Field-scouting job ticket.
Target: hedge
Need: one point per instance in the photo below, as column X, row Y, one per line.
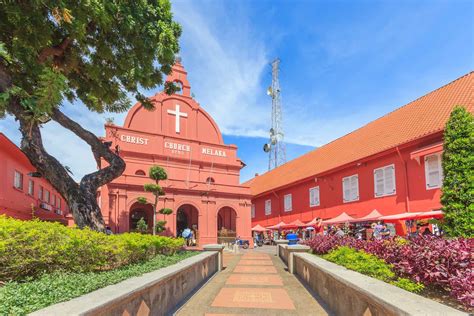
column 31, row 248
column 436, row 261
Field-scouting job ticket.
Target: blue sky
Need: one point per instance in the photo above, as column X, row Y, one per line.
column 343, row 64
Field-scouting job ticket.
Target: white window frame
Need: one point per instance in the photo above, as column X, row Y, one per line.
column 268, row 207
column 288, row 202
column 440, row 170
column 40, row 193
column 352, row 192
column 252, row 210
column 31, row 187
column 18, row 180
column 46, row 196
column 385, row 169
column 58, row 202
column 316, row 201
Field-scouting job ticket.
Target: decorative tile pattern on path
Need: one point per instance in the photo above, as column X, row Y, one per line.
column 245, row 262
column 255, row 269
column 253, row 298
column 254, row 279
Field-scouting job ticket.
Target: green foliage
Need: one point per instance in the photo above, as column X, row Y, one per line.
column 111, row 48
column 142, row 200
column 142, row 226
column 370, row 265
column 156, row 189
column 362, row 262
column 21, row 298
column 30, row 248
column 157, row 173
column 160, row 226
column 458, row 169
column 408, row 285
column 166, row 211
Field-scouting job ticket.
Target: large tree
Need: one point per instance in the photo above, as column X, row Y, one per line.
column 96, row 52
column 458, row 169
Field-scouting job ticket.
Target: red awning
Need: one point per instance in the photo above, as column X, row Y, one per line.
column 258, row 228
column 295, row 224
column 372, row 216
column 277, row 226
column 342, row 218
column 431, row 149
column 413, row 215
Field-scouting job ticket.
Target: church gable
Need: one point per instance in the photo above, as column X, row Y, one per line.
column 176, row 115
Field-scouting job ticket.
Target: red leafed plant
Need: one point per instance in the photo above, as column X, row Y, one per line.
column 446, row 263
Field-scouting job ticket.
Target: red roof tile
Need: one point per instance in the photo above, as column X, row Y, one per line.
column 422, row 117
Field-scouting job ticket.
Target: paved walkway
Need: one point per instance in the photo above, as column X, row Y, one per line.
column 254, row 282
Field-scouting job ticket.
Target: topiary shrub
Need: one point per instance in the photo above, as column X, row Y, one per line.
column 458, row 169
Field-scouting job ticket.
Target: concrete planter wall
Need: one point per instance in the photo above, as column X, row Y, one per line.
column 347, row 292
column 155, row 293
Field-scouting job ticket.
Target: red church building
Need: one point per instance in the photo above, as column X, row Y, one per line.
column 392, row 165
column 24, row 194
column 203, row 187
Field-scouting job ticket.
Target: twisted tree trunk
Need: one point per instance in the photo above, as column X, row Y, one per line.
column 81, row 197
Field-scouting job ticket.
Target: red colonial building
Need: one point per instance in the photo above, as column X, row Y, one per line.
column 392, row 164
column 203, row 187
column 23, row 193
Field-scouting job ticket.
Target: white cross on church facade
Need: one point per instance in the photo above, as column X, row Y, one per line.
column 178, row 114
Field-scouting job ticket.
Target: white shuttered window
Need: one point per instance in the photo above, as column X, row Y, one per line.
column 433, row 171
column 350, row 188
column 268, row 207
column 384, row 181
column 288, row 203
column 314, row 196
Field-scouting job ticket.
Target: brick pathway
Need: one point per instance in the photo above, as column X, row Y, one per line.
column 253, row 283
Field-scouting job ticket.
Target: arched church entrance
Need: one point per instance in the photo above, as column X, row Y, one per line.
column 187, row 216
column 226, row 225
column 137, row 212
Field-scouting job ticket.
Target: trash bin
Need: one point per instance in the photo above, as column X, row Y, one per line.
column 292, row 239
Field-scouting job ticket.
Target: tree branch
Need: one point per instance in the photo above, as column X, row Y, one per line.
column 116, row 164
column 55, row 51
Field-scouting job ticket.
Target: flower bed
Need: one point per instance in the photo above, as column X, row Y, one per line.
column 31, row 248
column 368, row 264
column 434, row 261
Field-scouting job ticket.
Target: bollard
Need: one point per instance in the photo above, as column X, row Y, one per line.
column 280, row 242
column 291, row 250
column 220, row 258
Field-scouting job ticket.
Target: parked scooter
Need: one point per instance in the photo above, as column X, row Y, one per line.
column 242, row 243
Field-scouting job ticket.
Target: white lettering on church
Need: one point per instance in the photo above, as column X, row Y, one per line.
column 178, row 114
column 178, row 147
column 213, row 152
column 134, row 139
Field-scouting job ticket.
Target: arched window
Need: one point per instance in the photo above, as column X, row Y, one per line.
column 140, row 173
column 210, row 180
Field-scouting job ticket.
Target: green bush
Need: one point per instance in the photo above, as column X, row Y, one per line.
column 408, row 285
column 458, row 169
column 368, row 264
column 21, row 298
column 30, row 248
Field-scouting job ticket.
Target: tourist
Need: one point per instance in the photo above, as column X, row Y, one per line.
column 108, row 231
column 339, row 232
column 426, row 232
column 318, row 228
column 377, row 229
column 384, row 232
